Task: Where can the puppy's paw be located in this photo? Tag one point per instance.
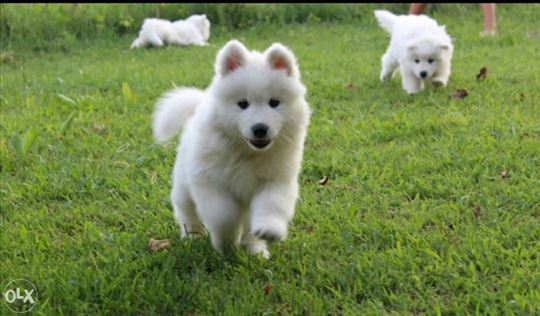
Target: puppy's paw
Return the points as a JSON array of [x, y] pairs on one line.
[[269, 234], [438, 83], [270, 229], [412, 91], [192, 231], [265, 254], [257, 249]]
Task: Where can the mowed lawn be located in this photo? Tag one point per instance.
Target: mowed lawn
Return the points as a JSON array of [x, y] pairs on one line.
[[432, 204]]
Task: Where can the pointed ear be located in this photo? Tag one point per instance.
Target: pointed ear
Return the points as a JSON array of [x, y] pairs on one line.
[[231, 57], [444, 46], [281, 58]]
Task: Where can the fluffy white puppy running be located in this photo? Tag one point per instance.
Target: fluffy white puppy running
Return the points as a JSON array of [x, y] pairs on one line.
[[195, 30], [238, 161], [421, 49]]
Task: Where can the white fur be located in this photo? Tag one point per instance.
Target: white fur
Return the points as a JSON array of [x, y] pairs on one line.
[[415, 41], [222, 181], [195, 30]]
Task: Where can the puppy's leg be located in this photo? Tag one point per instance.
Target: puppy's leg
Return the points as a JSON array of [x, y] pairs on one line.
[[389, 65], [271, 210], [184, 212], [220, 214], [178, 40], [255, 245], [153, 38], [137, 43], [410, 82], [441, 76]]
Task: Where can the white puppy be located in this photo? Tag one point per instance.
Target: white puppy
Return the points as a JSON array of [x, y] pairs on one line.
[[195, 30], [237, 166], [421, 49]]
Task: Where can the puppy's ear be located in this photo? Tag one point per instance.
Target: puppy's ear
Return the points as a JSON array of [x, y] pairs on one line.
[[231, 57], [281, 58], [411, 47]]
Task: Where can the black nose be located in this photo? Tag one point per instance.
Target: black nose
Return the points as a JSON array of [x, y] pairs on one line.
[[259, 130], [423, 74]]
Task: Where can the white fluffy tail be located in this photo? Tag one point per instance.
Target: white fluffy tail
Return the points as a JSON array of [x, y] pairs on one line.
[[173, 110], [386, 19]]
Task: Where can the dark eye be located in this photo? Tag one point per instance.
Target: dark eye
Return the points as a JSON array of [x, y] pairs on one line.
[[273, 103], [243, 104], [417, 61], [430, 61]]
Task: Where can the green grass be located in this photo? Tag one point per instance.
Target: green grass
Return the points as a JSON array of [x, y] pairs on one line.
[[415, 217], [56, 26]]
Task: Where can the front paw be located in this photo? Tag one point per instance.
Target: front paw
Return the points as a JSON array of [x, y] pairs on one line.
[[269, 235], [258, 249], [270, 230], [437, 82], [413, 91]]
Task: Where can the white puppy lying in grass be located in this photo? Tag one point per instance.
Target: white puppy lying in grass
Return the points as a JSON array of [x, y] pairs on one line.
[[195, 30], [421, 49], [237, 165]]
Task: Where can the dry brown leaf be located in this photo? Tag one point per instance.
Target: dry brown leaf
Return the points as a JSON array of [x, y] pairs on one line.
[[482, 74], [267, 289], [323, 180], [532, 35], [7, 57], [98, 127], [459, 94], [350, 86], [477, 211], [154, 245]]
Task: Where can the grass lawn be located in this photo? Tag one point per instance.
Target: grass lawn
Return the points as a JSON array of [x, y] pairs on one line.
[[432, 204]]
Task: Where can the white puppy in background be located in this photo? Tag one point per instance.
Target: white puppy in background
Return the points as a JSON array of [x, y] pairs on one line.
[[195, 30], [237, 165], [421, 49]]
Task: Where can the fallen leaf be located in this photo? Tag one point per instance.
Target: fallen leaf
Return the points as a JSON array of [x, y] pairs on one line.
[[153, 177], [7, 57], [482, 74], [459, 94], [126, 91], [66, 98], [67, 123], [350, 86], [531, 35], [98, 126], [477, 211], [267, 289], [154, 245], [323, 180], [122, 148], [504, 174]]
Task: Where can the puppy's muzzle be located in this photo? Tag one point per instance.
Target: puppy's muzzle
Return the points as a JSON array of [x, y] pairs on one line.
[[260, 135], [423, 74]]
